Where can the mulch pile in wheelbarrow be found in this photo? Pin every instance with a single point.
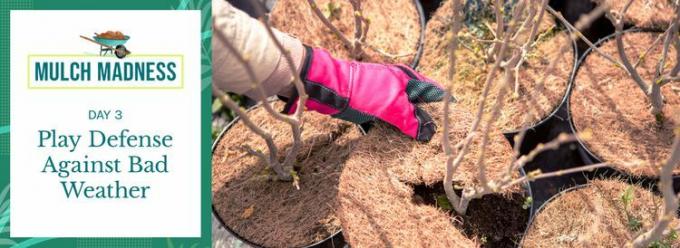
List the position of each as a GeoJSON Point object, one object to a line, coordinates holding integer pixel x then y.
{"type": "Point", "coordinates": [111, 35]}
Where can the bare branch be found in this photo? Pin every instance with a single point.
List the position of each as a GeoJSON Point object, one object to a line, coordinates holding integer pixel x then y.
{"type": "Point", "coordinates": [330, 25]}
{"type": "Point", "coordinates": [669, 198]}
{"type": "Point", "coordinates": [618, 24]}
{"type": "Point", "coordinates": [295, 122]}
{"type": "Point", "coordinates": [540, 148]}
{"type": "Point", "coordinates": [446, 143]}
{"type": "Point", "coordinates": [537, 174]}
{"type": "Point", "coordinates": [356, 49]}
{"type": "Point", "coordinates": [577, 31]}
{"type": "Point", "coordinates": [272, 162]}
{"type": "Point", "coordinates": [644, 54]}
{"type": "Point", "coordinates": [461, 201]}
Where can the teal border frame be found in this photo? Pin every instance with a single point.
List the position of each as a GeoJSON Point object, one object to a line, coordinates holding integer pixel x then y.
{"type": "Point", "coordinates": [206, 78]}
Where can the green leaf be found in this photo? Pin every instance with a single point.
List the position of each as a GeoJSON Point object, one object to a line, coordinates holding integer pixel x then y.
{"type": "Point", "coordinates": [527, 202]}
{"type": "Point", "coordinates": [443, 202]}
{"type": "Point", "coordinates": [634, 224]}
{"type": "Point", "coordinates": [627, 197]}
{"type": "Point", "coordinates": [659, 118]}
{"type": "Point", "coordinates": [330, 10]}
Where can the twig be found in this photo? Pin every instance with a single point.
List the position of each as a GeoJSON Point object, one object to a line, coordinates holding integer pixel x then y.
{"type": "Point", "coordinates": [446, 143]}
{"type": "Point", "coordinates": [537, 174]}
{"type": "Point", "coordinates": [577, 30]}
{"type": "Point", "coordinates": [669, 198]}
{"type": "Point", "coordinates": [295, 122]}
{"type": "Point", "coordinates": [272, 162]}
{"type": "Point", "coordinates": [329, 25]}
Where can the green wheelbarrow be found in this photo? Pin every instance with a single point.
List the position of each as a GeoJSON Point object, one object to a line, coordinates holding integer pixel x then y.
{"type": "Point", "coordinates": [114, 46]}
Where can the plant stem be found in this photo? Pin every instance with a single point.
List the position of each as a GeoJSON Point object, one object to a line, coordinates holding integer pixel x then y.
{"type": "Point", "coordinates": [329, 25]}
{"type": "Point", "coordinates": [272, 162]}
{"type": "Point", "coordinates": [669, 198]}
{"type": "Point", "coordinates": [446, 143]}
{"type": "Point", "coordinates": [296, 121]}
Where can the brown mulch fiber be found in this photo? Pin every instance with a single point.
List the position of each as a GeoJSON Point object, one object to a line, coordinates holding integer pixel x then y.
{"type": "Point", "coordinates": [596, 216]}
{"type": "Point", "coordinates": [472, 70]}
{"type": "Point", "coordinates": [274, 213]}
{"type": "Point", "coordinates": [646, 14]}
{"type": "Point", "coordinates": [608, 102]}
{"type": "Point", "coordinates": [377, 202]}
{"type": "Point", "coordinates": [394, 27]}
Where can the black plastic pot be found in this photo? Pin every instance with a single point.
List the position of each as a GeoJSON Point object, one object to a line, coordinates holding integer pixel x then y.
{"type": "Point", "coordinates": [544, 204]}
{"type": "Point", "coordinates": [588, 157]}
{"type": "Point", "coordinates": [607, 173]}
{"type": "Point", "coordinates": [569, 155]}
{"type": "Point", "coordinates": [540, 132]}
{"type": "Point", "coordinates": [572, 10]}
{"type": "Point", "coordinates": [429, 7]}
{"type": "Point", "coordinates": [421, 41]}
{"type": "Point", "coordinates": [333, 241]}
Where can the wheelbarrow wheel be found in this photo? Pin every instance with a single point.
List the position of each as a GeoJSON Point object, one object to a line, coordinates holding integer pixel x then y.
{"type": "Point", "coordinates": [121, 51]}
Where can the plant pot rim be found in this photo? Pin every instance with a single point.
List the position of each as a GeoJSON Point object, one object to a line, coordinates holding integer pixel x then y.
{"type": "Point", "coordinates": [570, 189]}
{"type": "Point", "coordinates": [420, 47]}
{"type": "Point", "coordinates": [540, 208]}
{"type": "Point", "coordinates": [421, 40]}
{"type": "Point", "coordinates": [566, 95]}
{"type": "Point", "coordinates": [570, 116]}
{"type": "Point", "coordinates": [212, 205]}
{"type": "Point", "coordinates": [527, 187]}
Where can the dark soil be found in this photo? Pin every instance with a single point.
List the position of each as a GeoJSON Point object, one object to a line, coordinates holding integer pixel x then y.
{"type": "Point", "coordinates": [497, 221]}
{"type": "Point", "coordinates": [376, 206]}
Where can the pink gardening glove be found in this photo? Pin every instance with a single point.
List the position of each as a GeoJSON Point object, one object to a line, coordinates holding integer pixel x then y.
{"type": "Point", "coordinates": [362, 92]}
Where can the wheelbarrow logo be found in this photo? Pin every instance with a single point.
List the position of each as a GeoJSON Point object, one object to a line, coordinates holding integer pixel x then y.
{"type": "Point", "coordinates": [110, 42]}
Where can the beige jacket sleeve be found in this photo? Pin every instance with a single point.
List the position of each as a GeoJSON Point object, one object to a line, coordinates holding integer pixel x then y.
{"type": "Point", "coordinates": [250, 37]}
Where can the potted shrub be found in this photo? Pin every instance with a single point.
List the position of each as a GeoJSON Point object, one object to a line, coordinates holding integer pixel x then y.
{"type": "Point", "coordinates": [275, 175]}
{"type": "Point", "coordinates": [534, 84]}
{"type": "Point", "coordinates": [601, 213]}
{"type": "Point", "coordinates": [624, 93]}
{"type": "Point", "coordinates": [469, 179]}
{"type": "Point", "coordinates": [266, 211]}
{"type": "Point", "coordinates": [611, 213]}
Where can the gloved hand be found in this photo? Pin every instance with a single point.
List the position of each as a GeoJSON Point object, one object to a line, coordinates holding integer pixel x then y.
{"type": "Point", "coordinates": [361, 92]}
